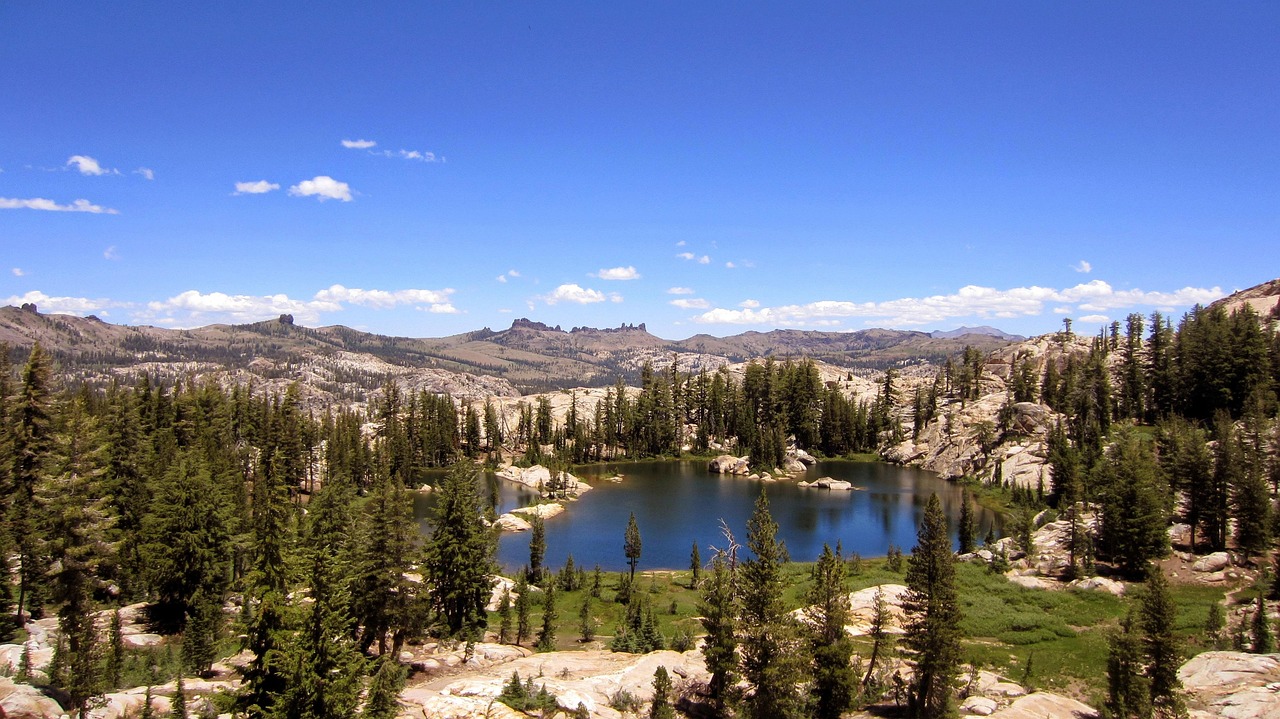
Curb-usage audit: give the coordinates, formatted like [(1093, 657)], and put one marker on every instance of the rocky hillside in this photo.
[(1263, 298), (342, 364)]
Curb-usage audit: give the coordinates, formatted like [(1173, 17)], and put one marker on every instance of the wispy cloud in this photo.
[(508, 274), (971, 301), (111, 253), (416, 155), (89, 166), (1083, 267), (749, 304), (255, 188), (40, 203), (696, 303), (702, 260), (17, 272), (146, 172), (679, 290), (322, 187), (617, 273), (730, 265), (576, 294)]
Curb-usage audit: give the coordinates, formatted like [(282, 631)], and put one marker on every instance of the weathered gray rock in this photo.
[(828, 483), (1044, 705), (728, 464), (22, 701), (1215, 562), (511, 523), (978, 706), (1233, 685), (1101, 584)]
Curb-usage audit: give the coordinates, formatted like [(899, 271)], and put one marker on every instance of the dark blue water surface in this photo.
[(677, 503)]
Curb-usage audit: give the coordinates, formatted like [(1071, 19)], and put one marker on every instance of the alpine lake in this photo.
[(678, 503)]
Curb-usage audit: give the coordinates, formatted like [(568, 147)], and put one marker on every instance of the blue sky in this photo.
[(425, 169)]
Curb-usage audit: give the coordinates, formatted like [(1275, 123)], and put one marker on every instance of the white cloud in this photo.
[(969, 301), (110, 253), (679, 290), (89, 166), (502, 278), (419, 155), (40, 203), (358, 144), (146, 172), (686, 255), (617, 273), (384, 299), (255, 188), (704, 260), (510, 273), (322, 187), (749, 304), (730, 265), (1083, 267), (17, 272), (194, 308), (615, 297), (1094, 319), (60, 305), (696, 303), (577, 294), (681, 243)]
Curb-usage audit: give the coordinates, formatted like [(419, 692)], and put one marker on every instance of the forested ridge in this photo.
[(188, 496)]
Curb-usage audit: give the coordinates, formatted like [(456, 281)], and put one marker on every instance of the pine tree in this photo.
[(115, 652), (1262, 641), (188, 540), (537, 548), (547, 636), (661, 707), (770, 660), (1128, 691), (695, 566), (383, 701), (1163, 649), (932, 622), (834, 683), (30, 448), (504, 616), (968, 533), (522, 609), (322, 665), (718, 612), (382, 599), (263, 678), (586, 623), (178, 704), (459, 556), (881, 638), (631, 544)]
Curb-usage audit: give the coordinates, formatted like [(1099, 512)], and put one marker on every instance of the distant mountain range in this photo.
[(527, 357), (982, 330)]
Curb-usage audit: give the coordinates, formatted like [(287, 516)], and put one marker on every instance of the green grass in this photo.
[(1065, 632)]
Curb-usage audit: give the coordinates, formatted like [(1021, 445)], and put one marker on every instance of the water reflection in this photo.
[(678, 503)]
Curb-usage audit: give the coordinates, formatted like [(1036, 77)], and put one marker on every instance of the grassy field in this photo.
[(1062, 633)]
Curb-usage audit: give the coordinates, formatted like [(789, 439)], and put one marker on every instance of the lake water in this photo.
[(677, 503)]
